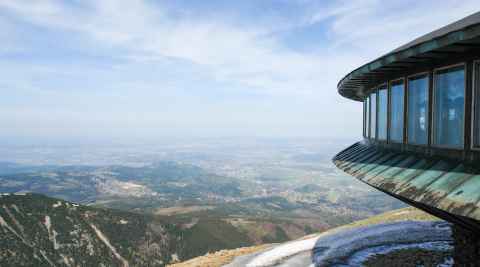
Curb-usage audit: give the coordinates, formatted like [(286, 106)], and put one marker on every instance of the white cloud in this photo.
[(300, 85), (247, 56)]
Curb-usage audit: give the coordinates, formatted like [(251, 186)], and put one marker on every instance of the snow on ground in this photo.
[(401, 212), (52, 234), (340, 245), (281, 252), (105, 240), (352, 246)]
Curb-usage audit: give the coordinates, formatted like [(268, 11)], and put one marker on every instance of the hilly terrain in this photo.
[(39, 230), (204, 209), (42, 231)]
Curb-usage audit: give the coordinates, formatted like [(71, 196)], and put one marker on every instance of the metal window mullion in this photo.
[(405, 110), (431, 101), (377, 100), (474, 106), (389, 112)]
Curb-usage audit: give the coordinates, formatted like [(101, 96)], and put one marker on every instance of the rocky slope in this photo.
[(40, 231)]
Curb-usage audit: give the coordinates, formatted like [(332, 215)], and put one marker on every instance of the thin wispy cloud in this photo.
[(150, 68)]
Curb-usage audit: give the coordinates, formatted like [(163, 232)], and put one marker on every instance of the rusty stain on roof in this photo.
[(443, 184)]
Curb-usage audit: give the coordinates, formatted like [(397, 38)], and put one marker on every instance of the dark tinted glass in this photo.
[(382, 113), (373, 114), (417, 128), (397, 92), (449, 107)]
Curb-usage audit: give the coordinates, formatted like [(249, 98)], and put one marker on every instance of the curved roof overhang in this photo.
[(447, 188), (454, 40)]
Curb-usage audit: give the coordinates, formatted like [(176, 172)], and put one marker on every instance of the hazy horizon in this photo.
[(139, 71)]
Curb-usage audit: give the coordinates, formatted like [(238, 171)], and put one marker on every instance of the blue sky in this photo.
[(152, 69)]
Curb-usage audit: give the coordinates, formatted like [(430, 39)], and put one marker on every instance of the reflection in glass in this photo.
[(417, 131), (396, 112), (449, 105), (373, 114), (382, 113)]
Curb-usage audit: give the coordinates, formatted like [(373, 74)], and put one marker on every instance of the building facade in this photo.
[(421, 126)]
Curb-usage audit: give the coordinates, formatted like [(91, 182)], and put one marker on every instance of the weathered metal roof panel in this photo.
[(442, 184), (389, 173), (416, 185)]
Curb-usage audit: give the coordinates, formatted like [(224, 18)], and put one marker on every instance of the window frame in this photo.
[(389, 110), (367, 127), (364, 102), (474, 105), (414, 76), (432, 134)]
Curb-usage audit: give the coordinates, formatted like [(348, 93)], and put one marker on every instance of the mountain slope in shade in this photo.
[(41, 231)]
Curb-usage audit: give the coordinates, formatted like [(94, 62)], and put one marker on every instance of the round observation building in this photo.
[(421, 128)]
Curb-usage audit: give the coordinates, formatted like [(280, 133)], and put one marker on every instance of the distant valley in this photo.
[(208, 200)]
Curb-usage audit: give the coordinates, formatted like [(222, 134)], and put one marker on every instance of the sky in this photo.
[(134, 69)]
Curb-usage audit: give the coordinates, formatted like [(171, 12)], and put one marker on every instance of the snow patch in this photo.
[(65, 259), (401, 212), (15, 207), (52, 234), (105, 240), (175, 258), (56, 205), (6, 225), (14, 220), (447, 263), (357, 244), (281, 252)]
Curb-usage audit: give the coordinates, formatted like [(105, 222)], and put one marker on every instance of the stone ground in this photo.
[(409, 257)]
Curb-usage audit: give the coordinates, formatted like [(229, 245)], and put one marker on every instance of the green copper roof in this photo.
[(447, 185)]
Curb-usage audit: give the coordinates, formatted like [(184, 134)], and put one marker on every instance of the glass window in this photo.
[(397, 92), (417, 113), (382, 113), (449, 107), (373, 114), (476, 112)]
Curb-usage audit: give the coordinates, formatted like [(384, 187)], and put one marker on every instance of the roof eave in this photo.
[(348, 88)]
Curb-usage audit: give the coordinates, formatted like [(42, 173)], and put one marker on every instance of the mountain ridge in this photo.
[(39, 230)]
